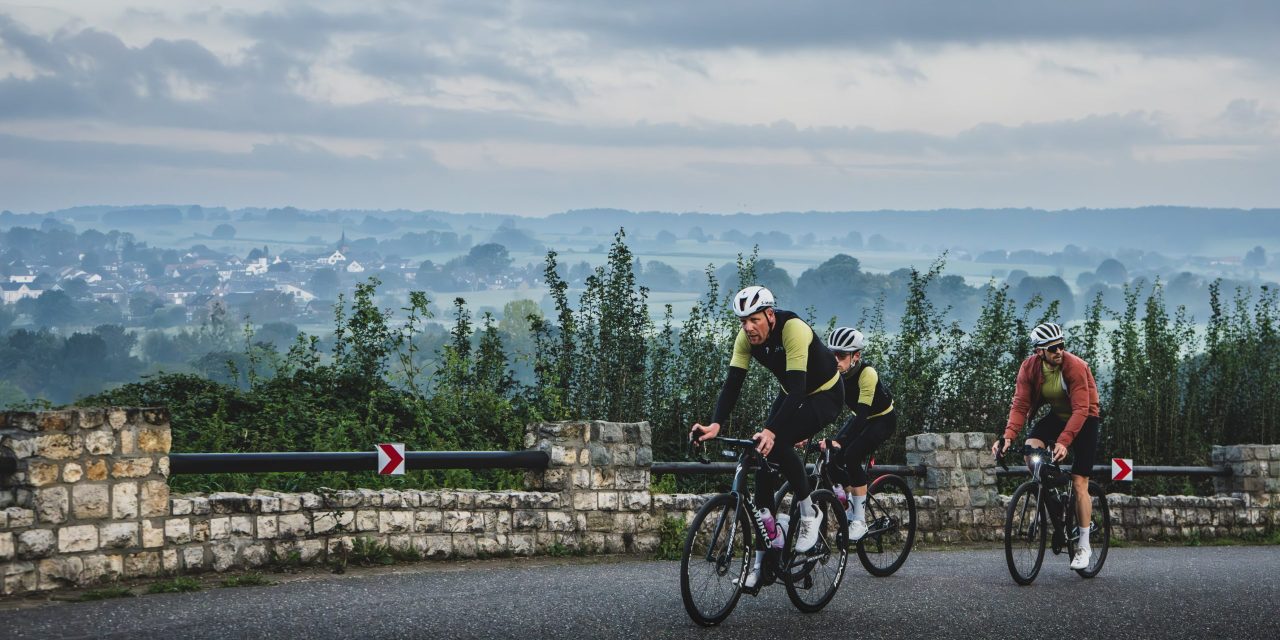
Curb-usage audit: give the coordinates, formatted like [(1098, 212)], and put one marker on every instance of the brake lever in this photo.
[(697, 450)]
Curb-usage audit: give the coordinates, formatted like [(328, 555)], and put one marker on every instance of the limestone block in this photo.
[(522, 544), (397, 521), (311, 550), (131, 467), (100, 443), (632, 479), (607, 500), (492, 500), (90, 501), (23, 446), (341, 499), (242, 526), (464, 546), (72, 472), (528, 520), (491, 544), (635, 500), (118, 535), (155, 498), (294, 525), (117, 418), (463, 522), (179, 506), (40, 474), (264, 504), (367, 520), (219, 528), (391, 498), (329, 521), (60, 572), (224, 556), (52, 504), (224, 502), (152, 535), (585, 501), (128, 439), (560, 521), (101, 568), (309, 500), (438, 547), (411, 497), (177, 530), (429, 499), (170, 560), (290, 502), (19, 517), (154, 440), (400, 541), (267, 527), (145, 563), (96, 470), (427, 521), (369, 498), (597, 520), (19, 577), (7, 550), (199, 530), (255, 554)]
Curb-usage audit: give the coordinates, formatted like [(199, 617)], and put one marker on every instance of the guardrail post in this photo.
[(602, 471), (88, 500), (1255, 473), (957, 494)]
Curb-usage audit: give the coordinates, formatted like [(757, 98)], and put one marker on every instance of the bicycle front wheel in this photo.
[(1099, 531), (812, 577), (1025, 526), (891, 526), (713, 564)]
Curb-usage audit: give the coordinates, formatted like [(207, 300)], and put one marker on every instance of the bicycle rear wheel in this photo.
[(714, 562), (1025, 526), (812, 577), (1099, 531), (891, 526)]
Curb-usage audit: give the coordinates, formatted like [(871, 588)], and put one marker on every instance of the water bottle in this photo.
[(844, 498), (772, 528)]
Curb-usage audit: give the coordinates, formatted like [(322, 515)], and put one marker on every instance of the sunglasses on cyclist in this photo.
[(1054, 348)]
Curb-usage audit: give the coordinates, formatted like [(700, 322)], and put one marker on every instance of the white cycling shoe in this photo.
[(857, 529), (753, 577), (807, 536), (1082, 558)]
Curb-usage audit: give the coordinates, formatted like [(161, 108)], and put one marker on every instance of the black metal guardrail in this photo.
[(699, 468), (192, 463), (1104, 471)]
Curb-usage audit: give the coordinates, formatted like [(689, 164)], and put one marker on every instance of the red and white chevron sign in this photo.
[(391, 459), (1122, 469)]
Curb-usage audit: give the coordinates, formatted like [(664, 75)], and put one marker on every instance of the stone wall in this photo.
[(90, 503)]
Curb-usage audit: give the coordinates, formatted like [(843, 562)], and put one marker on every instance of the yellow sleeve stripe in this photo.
[(867, 386), (796, 336), (741, 351)]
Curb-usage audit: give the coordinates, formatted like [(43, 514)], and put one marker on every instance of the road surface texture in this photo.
[(1148, 592)]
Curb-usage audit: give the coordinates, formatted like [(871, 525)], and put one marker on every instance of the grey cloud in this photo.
[(303, 27), (408, 63), (763, 24)]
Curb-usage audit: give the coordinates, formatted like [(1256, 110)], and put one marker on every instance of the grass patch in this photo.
[(106, 593), (181, 584), (559, 550), (670, 539), (369, 552), (291, 561), (254, 579)]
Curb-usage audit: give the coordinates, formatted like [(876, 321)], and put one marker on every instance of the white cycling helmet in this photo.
[(1045, 333), (845, 340), (751, 300)]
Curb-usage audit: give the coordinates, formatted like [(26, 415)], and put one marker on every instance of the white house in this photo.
[(297, 292), (256, 268), (334, 259), (15, 291), (355, 267)]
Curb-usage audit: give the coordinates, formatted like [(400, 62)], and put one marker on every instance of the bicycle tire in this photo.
[(813, 577), (1025, 526), (884, 548), (715, 557), (1099, 539)]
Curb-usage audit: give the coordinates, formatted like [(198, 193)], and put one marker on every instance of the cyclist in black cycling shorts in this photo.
[(872, 422), (811, 397)]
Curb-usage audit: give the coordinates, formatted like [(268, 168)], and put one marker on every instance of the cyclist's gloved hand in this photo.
[(1059, 451), (702, 433)]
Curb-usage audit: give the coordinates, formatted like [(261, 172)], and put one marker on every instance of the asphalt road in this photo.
[(1165, 592)]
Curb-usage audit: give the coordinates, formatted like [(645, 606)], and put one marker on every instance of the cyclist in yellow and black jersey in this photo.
[(811, 396), (872, 422)]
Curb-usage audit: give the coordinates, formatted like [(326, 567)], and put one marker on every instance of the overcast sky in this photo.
[(538, 106)]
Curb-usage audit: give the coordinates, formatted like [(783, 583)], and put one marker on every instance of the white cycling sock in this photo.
[(856, 504), (1083, 543), (759, 561), (807, 510)]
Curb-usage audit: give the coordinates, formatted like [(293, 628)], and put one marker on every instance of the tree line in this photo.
[(1169, 390)]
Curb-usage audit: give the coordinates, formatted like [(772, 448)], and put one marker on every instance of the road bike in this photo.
[(1040, 506), (720, 544), (890, 511)]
